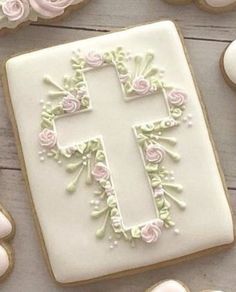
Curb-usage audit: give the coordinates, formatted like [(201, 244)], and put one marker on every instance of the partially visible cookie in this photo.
[(169, 286), (15, 13), (215, 6), (228, 66), (7, 231)]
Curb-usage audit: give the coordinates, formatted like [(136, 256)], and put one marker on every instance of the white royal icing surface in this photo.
[(4, 261), (5, 226), (65, 221), (229, 62)]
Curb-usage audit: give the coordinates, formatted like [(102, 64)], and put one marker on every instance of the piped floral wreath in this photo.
[(72, 96), (19, 10)]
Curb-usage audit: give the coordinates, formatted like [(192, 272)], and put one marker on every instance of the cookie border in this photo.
[(43, 21), (5, 243), (36, 220), (163, 281)]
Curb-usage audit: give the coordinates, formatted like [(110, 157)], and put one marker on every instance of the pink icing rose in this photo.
[(48, 138), (154, 153), (177, 97), (152, 231), (15, 9), (100, 171), (49, 8), (70, 104), (141, 85), (158, 192), (94, 59)]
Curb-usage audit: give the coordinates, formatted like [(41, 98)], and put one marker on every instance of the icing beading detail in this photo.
[(153, 139)]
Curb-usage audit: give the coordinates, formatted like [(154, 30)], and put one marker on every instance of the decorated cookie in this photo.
[(113, 136), (13, 13), (7, 231), (227, 64), (215, 6), (173, 286)]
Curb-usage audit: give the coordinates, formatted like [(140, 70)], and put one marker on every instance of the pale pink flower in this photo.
[(177, 97), (100, 171), (94, 59), (152, 231), (70, 104), (141, 85), (154, 153), (48, 138), (48, 8), (15, 9)]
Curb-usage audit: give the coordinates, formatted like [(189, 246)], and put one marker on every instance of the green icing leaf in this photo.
[(81, 147), (136, 232), (100, 155), (151, 167)]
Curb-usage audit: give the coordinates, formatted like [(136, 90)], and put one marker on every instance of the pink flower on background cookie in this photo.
[(94, 59), (154, 153), (141, 85), (177, 97), (152, 231), (48, 8), (100, 171), (70, 104), (15, 9), (47, 138)]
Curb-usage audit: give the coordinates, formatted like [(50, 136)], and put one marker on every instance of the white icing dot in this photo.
[(40, 152), (166, 178), (172, 172), (159, 133), (59, 162), (41, 101), (92, 202), (172, 178), (190, 124), (110, 237), (96, 208), (177, 231), (44, 107), (97, 202), (42, 158), (84, 163), (190, 116), (111, 246), (185, 119), (115, 242), (49, 103)]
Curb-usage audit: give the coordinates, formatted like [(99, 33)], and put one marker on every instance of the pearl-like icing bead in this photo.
[(4, 261), (42, 158), (177, 231), (5, 226)]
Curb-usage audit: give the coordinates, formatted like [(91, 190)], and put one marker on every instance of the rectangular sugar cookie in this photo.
[(116, 152)]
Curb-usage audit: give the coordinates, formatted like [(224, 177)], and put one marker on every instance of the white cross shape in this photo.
[(113, 118)]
